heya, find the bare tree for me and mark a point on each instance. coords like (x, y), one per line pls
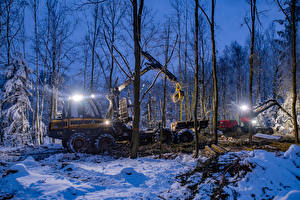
(211, 22)
(251, 59)
(12, 18)
(35, 5)
(196, 80)
(292, 21)
(112, 13)
(93, 40)
(137, 15)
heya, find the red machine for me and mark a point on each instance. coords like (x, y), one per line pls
(227, 125)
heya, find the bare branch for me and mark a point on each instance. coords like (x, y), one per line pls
(90, 2)
(205, 15)
(102, 68)
(115, 57)
(171, 55)
(283, 11)
(152, 84)
(247, 24)
(123, 58)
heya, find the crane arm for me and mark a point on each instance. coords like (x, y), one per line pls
(155, 65)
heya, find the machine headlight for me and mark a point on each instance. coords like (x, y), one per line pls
(77, 97)
(244, 107)
(107, 122)
(253, 121)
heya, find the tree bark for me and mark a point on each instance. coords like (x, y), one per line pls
(137, 14)
(37, 123)
(253, 12)
(187, 106)
(294, 69)
(196, 80)
(94, 46)
(213, 44)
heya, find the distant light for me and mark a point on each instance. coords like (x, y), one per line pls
(92, 96)
(107, 122)
(253, 121)
(244, 107)
(77, 97)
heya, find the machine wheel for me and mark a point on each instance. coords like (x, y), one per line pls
(104, 144)
(64, 143)
(78, 143)
(166, 136)
(185, 136)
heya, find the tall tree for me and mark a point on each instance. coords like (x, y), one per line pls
(211, 22)
(137, 16)
(112, 14)
(12, 17)
(291, 17)
(93, 39)
(251, 60)
(38, 138)
(294, 69)
(196, 80)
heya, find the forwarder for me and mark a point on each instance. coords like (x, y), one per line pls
(82, 128)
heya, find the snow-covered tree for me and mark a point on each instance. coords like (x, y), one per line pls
(283, 123)
(16, 103)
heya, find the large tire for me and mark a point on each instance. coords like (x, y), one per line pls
(78, 143)
(185, 136)
(166, 136)
(64, 143)
(104, 144)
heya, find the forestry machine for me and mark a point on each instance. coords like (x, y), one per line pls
(248, 116)
(81, 126)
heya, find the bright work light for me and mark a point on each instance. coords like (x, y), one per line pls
(244, 107)
(92, 96)
(107, 122)
(77, 97)
(253, 121)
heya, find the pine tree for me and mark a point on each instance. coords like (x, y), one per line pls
(16, 102)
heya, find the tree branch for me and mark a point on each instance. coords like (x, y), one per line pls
(123, 58)
(205, 15)
(283, 11)
(152, 84)
(115, 57)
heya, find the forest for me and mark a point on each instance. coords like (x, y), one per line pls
(98, 81)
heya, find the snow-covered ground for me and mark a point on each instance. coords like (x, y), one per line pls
(81, 176)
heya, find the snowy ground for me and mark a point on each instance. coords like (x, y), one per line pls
(81, 176)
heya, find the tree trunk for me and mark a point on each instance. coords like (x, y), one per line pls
(196, 80)
(202, 79)
(94, 46)
(137, 14)
(37, 123)
(8, 7)
(294, 70)
(253, 10)
(187, 110)
(216, 101)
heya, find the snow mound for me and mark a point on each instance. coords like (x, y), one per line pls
(293, 152)
(292, 195)
(265, 136)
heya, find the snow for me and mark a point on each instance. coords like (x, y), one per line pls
(273, 176)
(265, 136)
(83, 176)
